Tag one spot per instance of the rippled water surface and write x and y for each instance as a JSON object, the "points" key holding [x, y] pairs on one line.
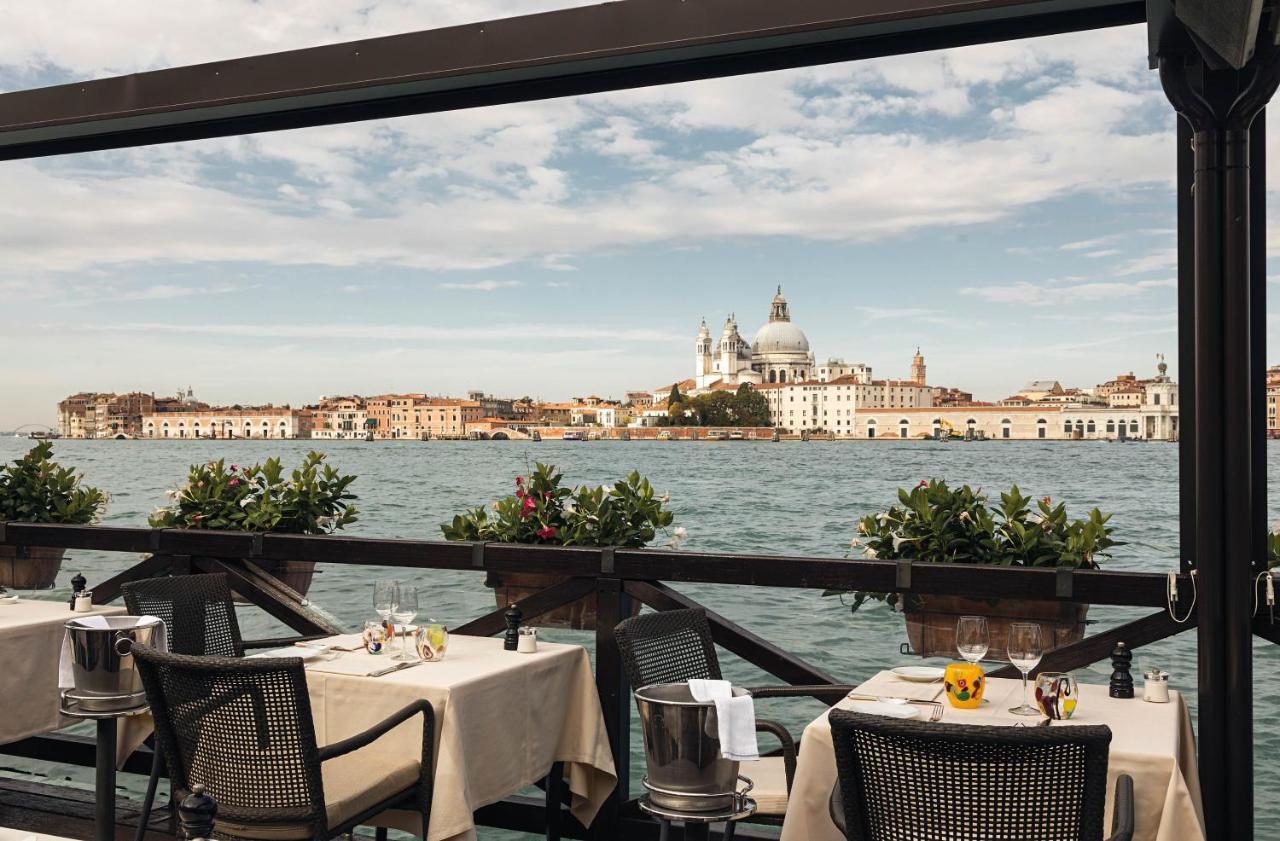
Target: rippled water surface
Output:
{"points": [[787, 498]]}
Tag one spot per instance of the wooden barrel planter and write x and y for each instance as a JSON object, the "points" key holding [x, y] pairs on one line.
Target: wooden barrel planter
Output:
{"points": [[580, 615], [29, 567], [931, 622]]}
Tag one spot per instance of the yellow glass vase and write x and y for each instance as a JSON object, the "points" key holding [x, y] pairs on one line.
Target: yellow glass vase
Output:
{"points": [[964, 683]]}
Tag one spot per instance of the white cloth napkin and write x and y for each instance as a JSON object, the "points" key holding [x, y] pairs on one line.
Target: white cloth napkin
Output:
{"points": [[735, 717], [66, 674]]}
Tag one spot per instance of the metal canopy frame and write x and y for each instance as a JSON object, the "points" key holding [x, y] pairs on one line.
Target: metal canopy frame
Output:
{"points": [[1221, 224]]}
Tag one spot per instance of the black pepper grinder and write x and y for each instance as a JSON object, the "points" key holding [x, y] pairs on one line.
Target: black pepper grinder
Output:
{"points": [[78, 583], [511, 641], [1121, 680], [196, 813]]}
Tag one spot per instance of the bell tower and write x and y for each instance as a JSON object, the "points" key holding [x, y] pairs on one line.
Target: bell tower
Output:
{"points": [[702, 354], [917, 368]]}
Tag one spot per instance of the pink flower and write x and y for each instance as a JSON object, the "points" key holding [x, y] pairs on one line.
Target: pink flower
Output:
{"points": [[527, 508], [234, 468], [520, 493], [923, 484], [519, 480], [547, 532], [234, 483]]}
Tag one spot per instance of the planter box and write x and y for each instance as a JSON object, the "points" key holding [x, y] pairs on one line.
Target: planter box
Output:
{"points": [[931, 622], [36, 571], [580, 615]]}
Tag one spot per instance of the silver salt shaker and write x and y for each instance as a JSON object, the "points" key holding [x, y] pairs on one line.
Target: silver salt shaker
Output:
{"points": [[1156, 688]]}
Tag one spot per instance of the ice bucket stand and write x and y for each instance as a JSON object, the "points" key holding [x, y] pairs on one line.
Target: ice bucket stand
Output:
{"points": [[697, 825], [104, 796]]}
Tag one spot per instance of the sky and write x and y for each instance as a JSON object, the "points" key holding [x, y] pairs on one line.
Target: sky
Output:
{"points": [[1007, 208]]}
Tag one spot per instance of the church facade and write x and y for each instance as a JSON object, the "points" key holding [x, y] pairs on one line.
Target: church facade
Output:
{"points": [[779, 353]]}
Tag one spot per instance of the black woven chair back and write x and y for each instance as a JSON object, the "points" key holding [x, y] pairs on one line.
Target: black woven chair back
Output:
{"points": [[669, 646], [197, 610], [242, 727], [913, 780]]}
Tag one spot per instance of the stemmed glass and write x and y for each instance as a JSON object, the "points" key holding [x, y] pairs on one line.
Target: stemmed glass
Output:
{"points": [[972, 639], [1026, 647], [384, 598], [406, 608]]}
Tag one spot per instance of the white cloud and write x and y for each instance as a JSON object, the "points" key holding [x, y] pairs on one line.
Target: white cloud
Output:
{"points": [[1049, 294], [394, 332], [481, 285]]}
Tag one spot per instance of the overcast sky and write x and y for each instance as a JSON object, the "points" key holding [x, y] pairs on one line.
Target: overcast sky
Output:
{"points": [[1008, 208]]}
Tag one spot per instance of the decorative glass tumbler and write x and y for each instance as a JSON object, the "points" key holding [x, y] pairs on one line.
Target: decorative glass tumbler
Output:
{"points": [[375, 636], [1056, 694], [964, 683], [431, 640]]}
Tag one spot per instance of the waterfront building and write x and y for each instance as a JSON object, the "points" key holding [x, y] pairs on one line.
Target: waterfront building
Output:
{"points": [[1038, 390], [1273, 399], [222, 422], [502, 408], [72, 414], [778, 353], [339, 418], [813, 406]]}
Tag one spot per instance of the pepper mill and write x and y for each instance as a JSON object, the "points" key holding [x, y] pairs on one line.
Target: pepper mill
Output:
{"points": [[511, 641], [196, 813], [1121, 680], [78, 582]]}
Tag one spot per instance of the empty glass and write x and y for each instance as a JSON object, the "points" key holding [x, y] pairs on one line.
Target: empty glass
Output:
{"points": [[384, 598], [405, 609], [972, 640], [1026, 647]]}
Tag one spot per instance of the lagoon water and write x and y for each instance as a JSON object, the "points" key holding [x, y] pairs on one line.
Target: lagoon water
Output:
{"points": [[753, 497]]}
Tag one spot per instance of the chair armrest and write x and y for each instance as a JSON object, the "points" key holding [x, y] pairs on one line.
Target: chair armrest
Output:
{"points": [[788, 746], [835, 805], [834, 690], [281, 642], [1122, 810], [382, 728]]}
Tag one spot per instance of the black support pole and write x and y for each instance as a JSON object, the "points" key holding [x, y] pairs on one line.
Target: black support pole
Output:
{"points": [[1227, 438], [612, 606], [1186, 348]]}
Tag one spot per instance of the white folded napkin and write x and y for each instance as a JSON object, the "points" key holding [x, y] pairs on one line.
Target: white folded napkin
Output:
{"points": [[735, 717], [66, 674]]}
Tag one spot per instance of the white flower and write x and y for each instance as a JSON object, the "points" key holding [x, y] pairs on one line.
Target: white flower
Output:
{"points": [[678, 536], [244, 503], [870, 553], [898, 540], [568, 507], [681, 532], [882, 518], [855, 543], [324, 522], [173, 495], [665, 498], [159, 512]]}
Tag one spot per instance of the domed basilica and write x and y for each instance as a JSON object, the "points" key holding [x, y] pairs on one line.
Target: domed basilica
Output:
{"points": [[779, 353]]}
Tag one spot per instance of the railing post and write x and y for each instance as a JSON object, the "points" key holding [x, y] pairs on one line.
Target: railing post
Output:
{"points": [[612, 606]]}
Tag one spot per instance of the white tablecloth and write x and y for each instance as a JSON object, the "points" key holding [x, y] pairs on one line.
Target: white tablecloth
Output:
{"points": [[31, 633], [1153, 743], [502, 720]]}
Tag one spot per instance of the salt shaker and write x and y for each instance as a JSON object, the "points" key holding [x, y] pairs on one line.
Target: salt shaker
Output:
{"points": [[528, 641], [1155, 689], [84, 601]]}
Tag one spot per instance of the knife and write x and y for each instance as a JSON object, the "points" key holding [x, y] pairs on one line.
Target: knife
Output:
{"points": [[397, 667]]}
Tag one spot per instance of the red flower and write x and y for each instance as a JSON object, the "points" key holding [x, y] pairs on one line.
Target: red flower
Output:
{"points": [[547, 532], [923, 484], [234, 483], [527, 508], [520, 493], [519, 481], [547, 495]]}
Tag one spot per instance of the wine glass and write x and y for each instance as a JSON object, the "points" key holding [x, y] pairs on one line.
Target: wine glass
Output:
{"points": [[405, 609], [972, 639], [1026, 647], [384, 598]]}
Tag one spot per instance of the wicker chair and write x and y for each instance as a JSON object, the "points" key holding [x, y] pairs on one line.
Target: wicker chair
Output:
{"points": [[197, 611], [673, 646], [242, 728], [911, 781]]}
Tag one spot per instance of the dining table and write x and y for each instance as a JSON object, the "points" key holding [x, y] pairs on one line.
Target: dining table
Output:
{"points": [[502, 719], [31, 632], [1151, 742]]}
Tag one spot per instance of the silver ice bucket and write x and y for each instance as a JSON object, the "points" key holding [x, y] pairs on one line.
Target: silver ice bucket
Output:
{"points": [[106, 678], [686, 772]]}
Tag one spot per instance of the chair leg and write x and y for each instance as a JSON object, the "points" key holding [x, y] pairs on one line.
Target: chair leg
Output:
{"points": [[555, 797], [380, 833], [144, 816]]}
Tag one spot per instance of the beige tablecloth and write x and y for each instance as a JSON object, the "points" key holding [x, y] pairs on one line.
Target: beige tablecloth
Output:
{"points": [[31, 633], [1153, 743], [502, 720]]}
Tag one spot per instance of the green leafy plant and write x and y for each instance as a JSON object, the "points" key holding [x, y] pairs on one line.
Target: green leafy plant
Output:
{"points": [[36, 489], [312, 500], [935, 524], [542, 510]]}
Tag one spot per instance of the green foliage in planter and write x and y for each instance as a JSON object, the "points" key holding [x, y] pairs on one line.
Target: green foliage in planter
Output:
{"points": [[36, 489], [312, 500], [934, 524], [542, 510]]}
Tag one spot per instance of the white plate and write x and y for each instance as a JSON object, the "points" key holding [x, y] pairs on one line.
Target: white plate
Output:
{"points": [[919, 674], [11, 598], [883, 708]]}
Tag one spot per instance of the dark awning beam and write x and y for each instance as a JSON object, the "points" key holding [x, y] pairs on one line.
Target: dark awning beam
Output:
{"points": [[562, 53]]}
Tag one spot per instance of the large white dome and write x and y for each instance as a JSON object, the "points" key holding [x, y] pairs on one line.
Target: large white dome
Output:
{"points": [[780, 337]]}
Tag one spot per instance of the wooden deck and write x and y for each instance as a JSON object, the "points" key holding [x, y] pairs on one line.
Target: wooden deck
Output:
{"points": [[68, 812]]}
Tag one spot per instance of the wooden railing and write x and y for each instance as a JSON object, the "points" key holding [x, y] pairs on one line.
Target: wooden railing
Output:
{"points": [[616, 577]]}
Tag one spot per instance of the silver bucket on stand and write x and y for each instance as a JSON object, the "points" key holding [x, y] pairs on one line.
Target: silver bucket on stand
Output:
{"points": [[106, 678], [686, 772]]}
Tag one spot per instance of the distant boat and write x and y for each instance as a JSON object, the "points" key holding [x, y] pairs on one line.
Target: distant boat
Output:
{"points": [[736, 435], [572, 435]]}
